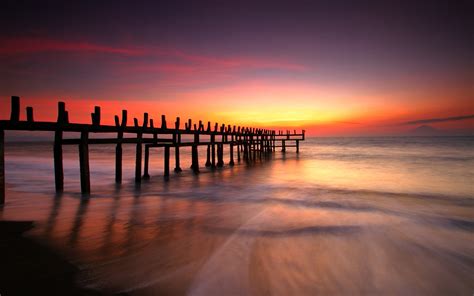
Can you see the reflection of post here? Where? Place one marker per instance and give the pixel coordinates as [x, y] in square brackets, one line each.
[84, 163]
[2, 167]
[79, 219]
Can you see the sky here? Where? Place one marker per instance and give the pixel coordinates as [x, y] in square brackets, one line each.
[333, 68]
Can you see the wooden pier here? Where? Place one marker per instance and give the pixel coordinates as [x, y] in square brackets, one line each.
[249, 144]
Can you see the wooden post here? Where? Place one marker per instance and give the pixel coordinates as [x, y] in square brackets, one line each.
[213, 151]
[283, 145]
[297, 146]
[231, 152]
[195, 160]
[147, 159]
[163, 122]
[138, 160]
[177, 141]
[245, 152]
[58, 148]
[194, 153]
[2, 167]
[138, 155]
[15, 109]
[118, 148]
[29, 114]
[167, 162]
[220, 155]
[84, 163]
[238, 137]
[96, 116]
[208, 159]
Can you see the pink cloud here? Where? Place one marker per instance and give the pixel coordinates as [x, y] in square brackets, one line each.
[34, 45]
[22, 46]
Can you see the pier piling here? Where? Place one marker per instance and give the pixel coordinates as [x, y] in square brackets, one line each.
[84, 163]
[251, 144]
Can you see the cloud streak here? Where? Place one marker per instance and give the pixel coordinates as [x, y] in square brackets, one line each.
[443, 119]
[24, 46]
[37, 45]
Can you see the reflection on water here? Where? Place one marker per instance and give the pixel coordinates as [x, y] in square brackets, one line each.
[346, 216]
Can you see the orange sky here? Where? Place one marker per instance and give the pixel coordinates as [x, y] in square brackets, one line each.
[329, 69]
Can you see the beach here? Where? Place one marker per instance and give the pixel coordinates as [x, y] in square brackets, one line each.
[344, 216]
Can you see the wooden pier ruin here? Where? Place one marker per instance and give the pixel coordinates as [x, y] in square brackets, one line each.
[248, 143]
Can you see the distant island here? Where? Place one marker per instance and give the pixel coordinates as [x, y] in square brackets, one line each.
[427, 131]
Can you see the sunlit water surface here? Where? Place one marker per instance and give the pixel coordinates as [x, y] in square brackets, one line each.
[345, 216]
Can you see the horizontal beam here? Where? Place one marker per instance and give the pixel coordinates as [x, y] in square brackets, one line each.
[78, 127]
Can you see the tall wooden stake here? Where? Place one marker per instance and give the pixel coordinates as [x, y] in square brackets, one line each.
[147, 159]
[58, 148]
[2, 167]
[84, 163]
[167, 162]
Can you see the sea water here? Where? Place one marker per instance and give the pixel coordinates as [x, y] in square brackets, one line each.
[344, 216]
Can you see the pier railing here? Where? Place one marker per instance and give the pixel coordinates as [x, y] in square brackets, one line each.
[250, 143]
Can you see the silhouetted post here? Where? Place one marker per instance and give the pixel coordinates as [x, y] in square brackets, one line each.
[238, 140]
[213, 146]
[118, 147]
[84, 163]
[96, 116]
[246, 146]
[138, 156]
[15, 109]
[147, 159]
[208, 158]
[283, 145]
[2, 167]
[194, 152]
[167, 162]
[58, 148]
[220, 155]
[297, 146]
[177, 141]
[163, 122]
[29, 114]
[231, 151]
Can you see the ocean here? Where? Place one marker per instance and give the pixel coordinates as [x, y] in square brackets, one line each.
[382, 215]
